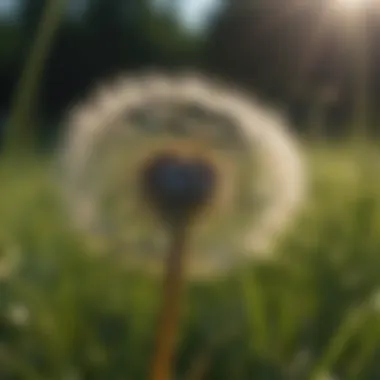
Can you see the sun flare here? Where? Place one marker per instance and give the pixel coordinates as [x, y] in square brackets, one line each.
[353, 4]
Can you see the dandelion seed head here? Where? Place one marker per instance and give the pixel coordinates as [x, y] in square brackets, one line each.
[257, 166]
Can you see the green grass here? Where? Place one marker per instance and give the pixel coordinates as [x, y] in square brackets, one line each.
[67, 313]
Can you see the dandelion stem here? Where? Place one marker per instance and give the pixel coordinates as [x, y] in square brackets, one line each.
[170, 308]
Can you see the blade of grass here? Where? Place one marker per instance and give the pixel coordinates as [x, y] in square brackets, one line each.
[200, 365]
[338, 343]
[369, 343]
[254, 304]
[20, 134]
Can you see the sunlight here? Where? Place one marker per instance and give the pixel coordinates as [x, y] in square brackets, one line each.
[353, 4]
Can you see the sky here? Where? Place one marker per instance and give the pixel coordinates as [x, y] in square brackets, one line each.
[193, 13]
[8, 7]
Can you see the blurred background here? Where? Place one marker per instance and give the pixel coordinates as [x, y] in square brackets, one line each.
[317, 60]
[70, 313]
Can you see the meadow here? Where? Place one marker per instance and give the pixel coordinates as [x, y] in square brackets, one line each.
[70, 311]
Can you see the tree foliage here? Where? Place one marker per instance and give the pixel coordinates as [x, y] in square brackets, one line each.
[301, 54]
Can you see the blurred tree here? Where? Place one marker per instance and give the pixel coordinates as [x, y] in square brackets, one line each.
[286, 50]
[31, 12]
[115, 36]
[109, 37]
[11, 54]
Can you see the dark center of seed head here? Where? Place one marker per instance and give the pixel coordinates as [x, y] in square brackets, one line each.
[178, 187]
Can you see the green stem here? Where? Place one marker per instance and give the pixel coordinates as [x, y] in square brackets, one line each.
[19, 133]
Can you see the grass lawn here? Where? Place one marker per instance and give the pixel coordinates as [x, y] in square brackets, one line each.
[68, 312]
